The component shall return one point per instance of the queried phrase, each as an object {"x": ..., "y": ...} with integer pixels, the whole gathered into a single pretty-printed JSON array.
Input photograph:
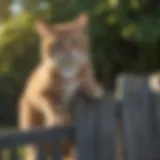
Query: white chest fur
[{"x": 68, "y": 90}]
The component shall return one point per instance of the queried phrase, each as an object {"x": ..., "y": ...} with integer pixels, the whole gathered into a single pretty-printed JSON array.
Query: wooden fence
[
  {"x": 124, "y": 125},
  {"x": 15, "y": 139}
]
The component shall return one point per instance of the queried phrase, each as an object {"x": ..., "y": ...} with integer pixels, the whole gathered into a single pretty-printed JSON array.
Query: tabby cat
[{"x": 65, "y": 66}]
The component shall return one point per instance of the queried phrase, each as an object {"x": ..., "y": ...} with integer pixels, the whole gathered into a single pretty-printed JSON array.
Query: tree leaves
[{"x": 124, "y": 36}]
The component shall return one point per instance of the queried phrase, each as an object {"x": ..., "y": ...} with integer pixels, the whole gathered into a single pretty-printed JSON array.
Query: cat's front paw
[{"x": 98, "y": 92}]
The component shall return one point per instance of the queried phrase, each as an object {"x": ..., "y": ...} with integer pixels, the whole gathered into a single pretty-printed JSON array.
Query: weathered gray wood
[
  {"x": 85, "y": 122},
  {"x": 13, "y": 139},
  {"x": 119, "y": 133},
  {"x": 13, "y": 154},
  {"x": 119, "y": 141},
  {"x": 119, "y": 97},
  {"x": 57, "y": 151},
  {"x": 136, "y": 118},
  {"x": 1, "y": 154},
  {"x": 155, "y": 111},
  {"x": 106, "y": 129},
  {"x": 94, "y": 122},
  {"x": 41, "y": 153}
]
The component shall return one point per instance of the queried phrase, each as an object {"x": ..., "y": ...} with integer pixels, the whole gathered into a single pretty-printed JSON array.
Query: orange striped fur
[{"x": 65, "y": 65}]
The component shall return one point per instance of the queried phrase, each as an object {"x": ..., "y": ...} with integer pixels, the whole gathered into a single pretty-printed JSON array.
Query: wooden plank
[
  {"x": 13, "y": 154},
  {"x": 136, "y": 118},
  {"x": 94, "y": 128},
  {"x": 17, "y": 138},
  {"x": 119, "y": 96},
  {"x": 85, "y": 122},
  {"x": 57, "y": 151},
  {"x": 41, "y": 153},
  {"x": 119, "y": 131},
  {"x": 155, "y": 110},
  {"x": 119, "y": 141},
  {"x": 106, "y": 128},
  {"x": 1, "y": 154}
]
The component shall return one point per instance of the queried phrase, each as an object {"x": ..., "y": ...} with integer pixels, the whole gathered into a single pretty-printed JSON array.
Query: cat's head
[{"x": 65, "y": 44}]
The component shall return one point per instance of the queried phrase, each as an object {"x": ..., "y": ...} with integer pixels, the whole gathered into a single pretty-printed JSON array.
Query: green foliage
[
  {"x": 18, "y": 55},
  {"x": 124, "y": 34},
  {"x": 4, "y": 9}
]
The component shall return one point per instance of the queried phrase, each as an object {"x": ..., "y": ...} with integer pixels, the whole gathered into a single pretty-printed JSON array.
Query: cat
[{"x": 64, "y": 67}]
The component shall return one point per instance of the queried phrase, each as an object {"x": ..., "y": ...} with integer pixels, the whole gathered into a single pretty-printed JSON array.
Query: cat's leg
[
  {"x": 51, "y": 112},
  {"x": 26, "y": 119},
  {"x": 52, "y": 117},
  {"x": 30, "y": 153},
  {"x": 25, "y": 124},
  {"x": 68, "y": 149},
  {"x": 95, "y": 90},
  {"x": 89, "y": 84}
]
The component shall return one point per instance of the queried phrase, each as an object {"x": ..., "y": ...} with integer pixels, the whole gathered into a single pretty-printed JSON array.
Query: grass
[
  {"x": 6, "y": 152},
  {"x": 20, "y": 152}
]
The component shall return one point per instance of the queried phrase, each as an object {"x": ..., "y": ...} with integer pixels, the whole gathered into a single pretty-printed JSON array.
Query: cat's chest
[{"x": 68, "y": 90}]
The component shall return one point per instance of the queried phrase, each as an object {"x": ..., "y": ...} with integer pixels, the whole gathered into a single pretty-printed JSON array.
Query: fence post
[
  {"x": 94, "y": 121},
  {"x": 154, "y": 84},
  {"x": 41, "y": 152},
  {"x": 57, "y": 151},
  {"x": 85, "y": 122},
  {"x": 136, "y": 117},
  {"x": 106, "y": 131},
  {"x": 13, "y": 154},
  {"x": 1, "y": 153}
]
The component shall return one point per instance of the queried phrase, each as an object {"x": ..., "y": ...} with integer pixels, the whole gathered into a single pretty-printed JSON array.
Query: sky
[{"x": 16, "y": 7}]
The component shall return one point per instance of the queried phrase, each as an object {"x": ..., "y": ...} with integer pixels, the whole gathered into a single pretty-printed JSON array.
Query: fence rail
[
  {"x": 18, "y": 138},
  {"x": 13, "y": 140}
]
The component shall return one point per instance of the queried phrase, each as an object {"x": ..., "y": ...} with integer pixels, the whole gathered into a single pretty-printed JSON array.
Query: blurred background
[{"x": 124, "y": 34}]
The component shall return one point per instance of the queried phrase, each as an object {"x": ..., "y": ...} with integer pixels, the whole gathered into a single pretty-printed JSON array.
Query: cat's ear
[
  {"x": 82, "y": 20},
  {"x": 42, "y": 28}
]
